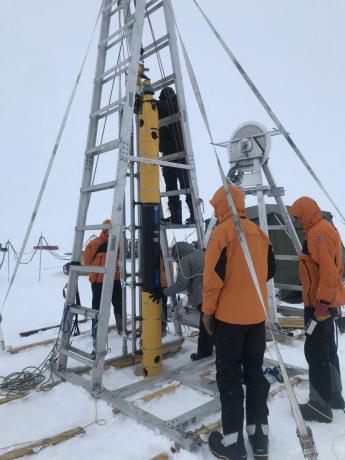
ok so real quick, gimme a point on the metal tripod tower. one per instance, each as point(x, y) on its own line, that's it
point(126, 41)
point(248, 152)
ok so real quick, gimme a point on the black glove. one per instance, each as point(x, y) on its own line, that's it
point(208, 321)
point(157, 294)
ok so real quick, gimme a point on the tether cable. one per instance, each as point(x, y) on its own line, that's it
point(47, 173)
point(304, 433)
point(269, 110)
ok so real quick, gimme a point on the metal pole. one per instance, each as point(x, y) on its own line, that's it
point(40, 264)
point(8, 262)
point(124, 277)
point(133, 279)
point(2, 339)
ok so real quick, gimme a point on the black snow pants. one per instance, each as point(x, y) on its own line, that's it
point(205, 341)
point(171, 177)
point(239, 358)
point(116, 299)
point(321, 354)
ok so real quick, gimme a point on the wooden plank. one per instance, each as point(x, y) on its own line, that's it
point(169, 348)
point(293, 322)
point(161, 392)
point(37, 446)
point(162, 456)
point(14, 350)
point(45, 328)
point(46, 387)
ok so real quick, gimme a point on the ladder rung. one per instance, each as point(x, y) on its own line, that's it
point(167, 81)
point(87, 269)
point(184, 191)
point(154, 7)
point(86, 312)
point(78, 355)
point(151, 161)
point(276, 227)
point(285, 257)
point(151, 7)
point(170, 119)
point(174, 156)
point(109, 7)
point(291, 287)
point(155, 46)
point(124, 2)
point(99, 187)
point(168, 225)
point(108, 109)
point(115, 75)
point(121, 33)
point(112, 145)
point(118, 69)
point(93, 227)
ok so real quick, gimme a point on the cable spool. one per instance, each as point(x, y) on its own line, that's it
point(249, 141)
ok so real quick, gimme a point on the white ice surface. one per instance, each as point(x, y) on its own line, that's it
point(33, 304)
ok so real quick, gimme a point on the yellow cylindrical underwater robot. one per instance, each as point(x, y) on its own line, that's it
point(149, 233)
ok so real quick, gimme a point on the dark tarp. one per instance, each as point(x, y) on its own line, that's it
point(287, 271)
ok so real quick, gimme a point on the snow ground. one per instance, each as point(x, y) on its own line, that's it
point(32, 304)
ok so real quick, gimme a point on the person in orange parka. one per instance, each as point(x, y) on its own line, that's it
point(233, 313)
point(323, 291)
point(95, 254)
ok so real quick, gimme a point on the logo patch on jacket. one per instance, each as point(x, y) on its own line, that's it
point(320, 239)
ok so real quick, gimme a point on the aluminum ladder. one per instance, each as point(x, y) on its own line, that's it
point(122, 29)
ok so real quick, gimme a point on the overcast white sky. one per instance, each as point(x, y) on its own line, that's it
point(293, 50)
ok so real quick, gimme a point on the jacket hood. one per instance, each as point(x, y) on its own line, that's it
point(104, 233)
point(221, 206)
point(181, 249)
point(167, 93)
point(307, 211)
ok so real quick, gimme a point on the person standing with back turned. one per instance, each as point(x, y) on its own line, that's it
point(321, 273)
point(95, 254)
point(233, 313)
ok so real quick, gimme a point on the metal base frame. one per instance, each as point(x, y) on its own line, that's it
point(196, 375)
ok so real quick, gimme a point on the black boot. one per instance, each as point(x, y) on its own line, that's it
point(337, 401)
point(196, 356)
point(118, 320)
point(315, 412)
point(175, 214)
point(259, 443)
point(236, 451)
point(191, 218)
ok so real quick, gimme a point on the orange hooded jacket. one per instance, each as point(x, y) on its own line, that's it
point(228, 290)
point(96, 253)
point(321, 260)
